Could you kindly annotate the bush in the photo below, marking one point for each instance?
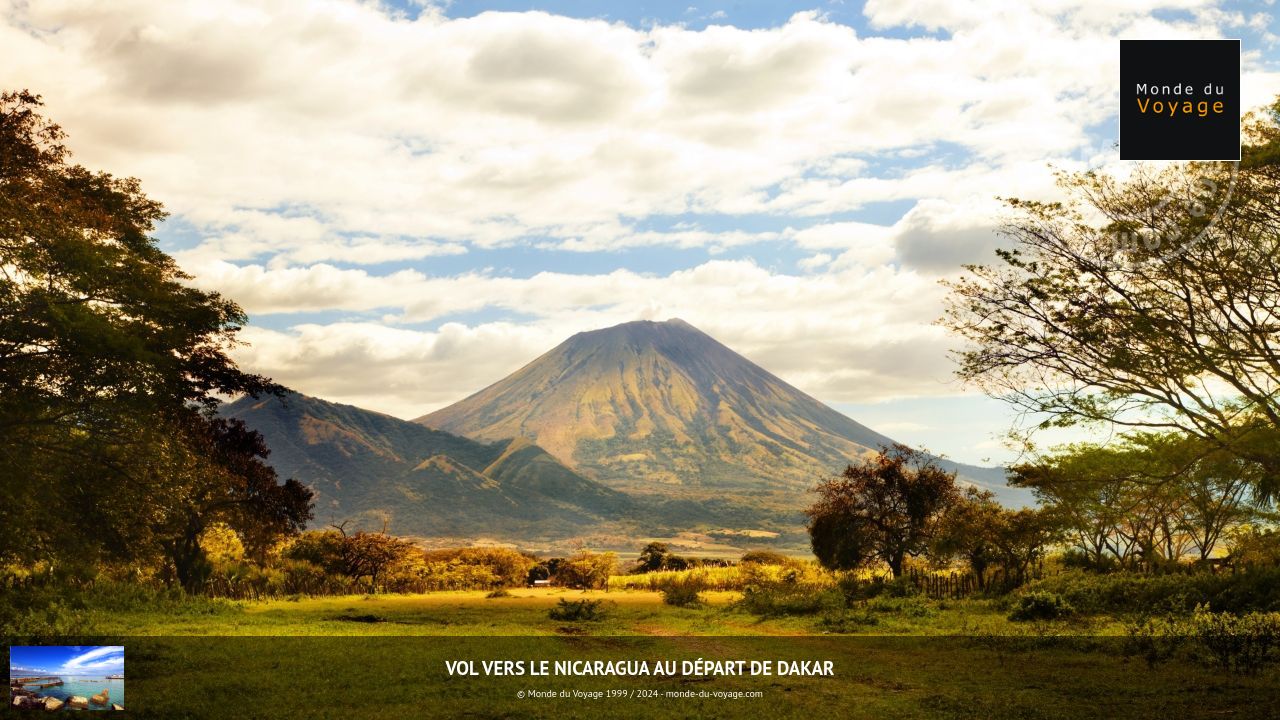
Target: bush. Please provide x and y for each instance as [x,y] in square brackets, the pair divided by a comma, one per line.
[499,593]
[853,588]
[1251,546]
[1238,643]
[914,606]
[1256,589]
[773,600]
[845,621]
[683,591]
[587,570]
[1038,605]
[899,587]
[1155,639]
[577,611]
[506,567]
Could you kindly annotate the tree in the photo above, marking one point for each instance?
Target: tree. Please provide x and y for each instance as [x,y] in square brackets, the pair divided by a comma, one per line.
[587,570]
[883,510]
[968,531]
[1020,537]
[221,544]
[1214,488]
[1091,492]
[1161,316]
[370,554]
[216,475]
[111,369]
[653,557]
[986,535]
[1145,499]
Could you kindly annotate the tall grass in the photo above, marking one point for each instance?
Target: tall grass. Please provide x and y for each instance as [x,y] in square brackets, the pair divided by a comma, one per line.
[714,578]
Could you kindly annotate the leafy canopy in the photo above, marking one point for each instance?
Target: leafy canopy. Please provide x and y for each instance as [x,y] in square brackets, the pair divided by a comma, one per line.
[111,368]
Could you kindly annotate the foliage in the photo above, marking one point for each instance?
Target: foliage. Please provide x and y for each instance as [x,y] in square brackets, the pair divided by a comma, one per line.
[111,366]
[1147,302]
[655,556]
[355,556]
[1143,501]
[1255,546]
[1238,643]
[578,611]
[221,544]
[765,557]
[1039,605]
[1155,638]
[978,530]
[715,578]
[847,621]
[1256,589]
[587,570]
[684,591]
[773,590]
[383,562]
[884,510]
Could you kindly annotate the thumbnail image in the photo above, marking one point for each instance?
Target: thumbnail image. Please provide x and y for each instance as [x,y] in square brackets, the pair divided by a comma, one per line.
[67,677]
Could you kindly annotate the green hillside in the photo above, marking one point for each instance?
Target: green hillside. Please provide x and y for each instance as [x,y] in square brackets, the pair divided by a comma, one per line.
[369,468]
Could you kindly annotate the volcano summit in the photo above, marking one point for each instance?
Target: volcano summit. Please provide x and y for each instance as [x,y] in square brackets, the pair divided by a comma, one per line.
[662,408]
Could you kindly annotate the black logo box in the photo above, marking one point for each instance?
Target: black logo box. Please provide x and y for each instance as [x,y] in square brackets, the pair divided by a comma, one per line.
[1187,68]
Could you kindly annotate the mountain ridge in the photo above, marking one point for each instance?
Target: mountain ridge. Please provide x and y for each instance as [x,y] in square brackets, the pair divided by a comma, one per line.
[663,408]
[370,467]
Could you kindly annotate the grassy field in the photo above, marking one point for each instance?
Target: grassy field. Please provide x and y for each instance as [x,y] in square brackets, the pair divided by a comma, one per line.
[384,657]
[525,612]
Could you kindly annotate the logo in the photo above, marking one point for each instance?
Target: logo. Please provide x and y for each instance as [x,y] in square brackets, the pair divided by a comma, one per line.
[1180,100]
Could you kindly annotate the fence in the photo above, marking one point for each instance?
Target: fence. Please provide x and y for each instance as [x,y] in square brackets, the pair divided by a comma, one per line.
[957,585]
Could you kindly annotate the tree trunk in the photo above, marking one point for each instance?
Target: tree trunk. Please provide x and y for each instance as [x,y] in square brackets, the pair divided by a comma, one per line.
[186,554]
[979,571]
[895,564]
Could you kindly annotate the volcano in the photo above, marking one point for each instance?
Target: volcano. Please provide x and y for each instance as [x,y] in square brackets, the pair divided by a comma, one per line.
[662,408]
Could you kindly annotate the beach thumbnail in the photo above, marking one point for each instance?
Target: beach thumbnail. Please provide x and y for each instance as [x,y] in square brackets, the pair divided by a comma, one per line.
[66,677]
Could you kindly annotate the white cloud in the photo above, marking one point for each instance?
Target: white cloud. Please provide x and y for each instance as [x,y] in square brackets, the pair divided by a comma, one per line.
[505,126]
[815,262]
[301,139]
[855,335]
[104,659]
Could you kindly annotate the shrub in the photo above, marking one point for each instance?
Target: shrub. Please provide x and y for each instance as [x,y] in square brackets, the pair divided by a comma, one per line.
[1155,639]
[577,611]
[499,593]
[914,606]
[1038,605]
[508,568]
[853,588]
[772,600]
[1235,643]
[715,578]
[683,591]
[1238,643]
[899,587]
[1256,589]
[844,621]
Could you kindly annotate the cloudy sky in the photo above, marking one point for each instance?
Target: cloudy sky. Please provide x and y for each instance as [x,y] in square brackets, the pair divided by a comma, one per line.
[413,199]
[69,660]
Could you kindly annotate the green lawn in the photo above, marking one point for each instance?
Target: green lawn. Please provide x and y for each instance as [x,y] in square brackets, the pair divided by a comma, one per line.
[322,658]
[630,612]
